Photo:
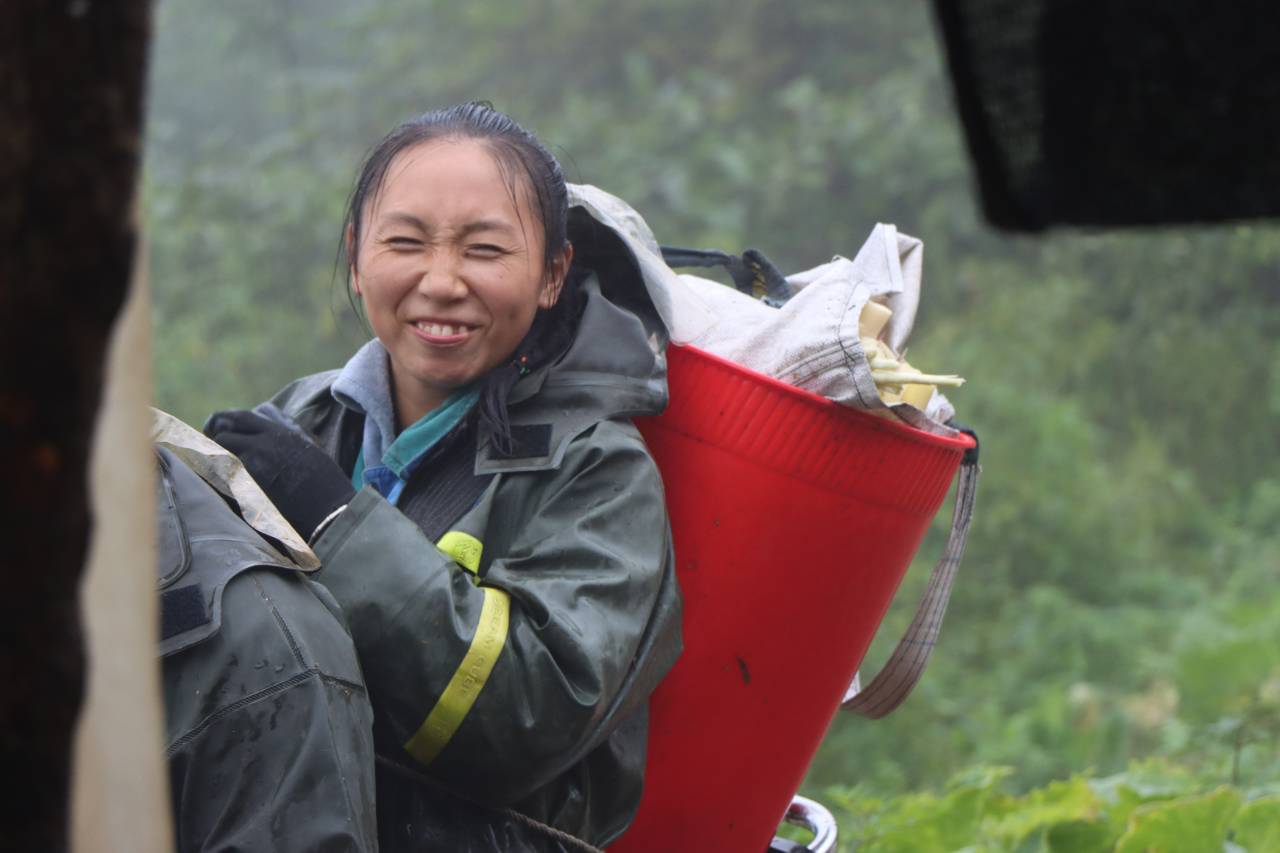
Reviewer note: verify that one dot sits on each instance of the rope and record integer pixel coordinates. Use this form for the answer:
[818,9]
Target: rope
[568,841]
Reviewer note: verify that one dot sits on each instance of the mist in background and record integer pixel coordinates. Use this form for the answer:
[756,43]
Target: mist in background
[1119,599]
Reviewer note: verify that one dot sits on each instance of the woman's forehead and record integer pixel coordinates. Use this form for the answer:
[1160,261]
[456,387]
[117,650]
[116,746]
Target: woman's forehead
[453,179]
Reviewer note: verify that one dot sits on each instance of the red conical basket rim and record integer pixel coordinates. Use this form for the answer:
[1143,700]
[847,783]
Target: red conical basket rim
[834,409]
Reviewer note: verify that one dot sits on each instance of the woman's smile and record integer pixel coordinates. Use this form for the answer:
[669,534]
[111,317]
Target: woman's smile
[439,333]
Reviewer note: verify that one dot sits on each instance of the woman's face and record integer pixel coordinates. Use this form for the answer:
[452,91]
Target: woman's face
[450,270]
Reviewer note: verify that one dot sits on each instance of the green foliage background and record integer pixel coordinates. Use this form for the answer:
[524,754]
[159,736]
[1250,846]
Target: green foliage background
[1119,598]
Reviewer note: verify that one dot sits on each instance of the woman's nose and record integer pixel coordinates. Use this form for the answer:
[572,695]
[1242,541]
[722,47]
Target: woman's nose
[440,279]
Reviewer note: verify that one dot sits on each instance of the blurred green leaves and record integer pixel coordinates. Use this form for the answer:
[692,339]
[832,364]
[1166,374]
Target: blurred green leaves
[1149,808]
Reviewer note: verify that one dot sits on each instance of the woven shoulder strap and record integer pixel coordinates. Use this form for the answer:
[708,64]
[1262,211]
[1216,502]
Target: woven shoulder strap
[905,666]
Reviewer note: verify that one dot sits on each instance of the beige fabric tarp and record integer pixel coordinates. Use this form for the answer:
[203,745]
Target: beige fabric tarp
[223,471]
[812,341]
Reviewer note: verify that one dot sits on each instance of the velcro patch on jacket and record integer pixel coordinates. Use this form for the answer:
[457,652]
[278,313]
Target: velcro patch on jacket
[181,610]
[527,440]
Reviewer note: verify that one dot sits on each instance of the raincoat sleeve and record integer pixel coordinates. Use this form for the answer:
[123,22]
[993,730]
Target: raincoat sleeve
[498,683]
[271,731]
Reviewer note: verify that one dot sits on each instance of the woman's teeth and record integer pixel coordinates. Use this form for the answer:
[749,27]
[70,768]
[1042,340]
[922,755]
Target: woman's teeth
[442,330]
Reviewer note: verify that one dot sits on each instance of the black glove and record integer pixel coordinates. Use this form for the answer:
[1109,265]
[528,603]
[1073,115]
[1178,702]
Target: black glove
[300,478]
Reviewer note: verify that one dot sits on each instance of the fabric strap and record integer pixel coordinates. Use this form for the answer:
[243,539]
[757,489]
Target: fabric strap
[905,666]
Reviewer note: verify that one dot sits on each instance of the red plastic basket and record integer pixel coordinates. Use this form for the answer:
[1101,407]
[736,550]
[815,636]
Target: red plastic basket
[794,521]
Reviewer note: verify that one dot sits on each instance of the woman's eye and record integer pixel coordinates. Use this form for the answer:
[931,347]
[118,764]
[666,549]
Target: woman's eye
[485,250]
[402,242]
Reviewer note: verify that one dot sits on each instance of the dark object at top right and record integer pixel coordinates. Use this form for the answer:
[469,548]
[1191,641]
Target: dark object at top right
[1085,112]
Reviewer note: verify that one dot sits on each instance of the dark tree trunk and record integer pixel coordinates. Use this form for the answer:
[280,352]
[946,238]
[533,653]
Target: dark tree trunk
[71,107]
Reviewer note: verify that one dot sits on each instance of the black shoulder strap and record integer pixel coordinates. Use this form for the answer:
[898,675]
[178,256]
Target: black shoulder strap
[752,273]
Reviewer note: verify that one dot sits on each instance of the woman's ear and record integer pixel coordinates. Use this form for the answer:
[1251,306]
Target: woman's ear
[555,278]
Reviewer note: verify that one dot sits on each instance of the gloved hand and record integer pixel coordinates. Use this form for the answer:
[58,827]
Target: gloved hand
[299,478]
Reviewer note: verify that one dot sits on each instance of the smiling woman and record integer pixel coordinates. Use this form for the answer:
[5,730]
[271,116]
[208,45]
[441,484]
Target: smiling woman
[489,519]
[450,269]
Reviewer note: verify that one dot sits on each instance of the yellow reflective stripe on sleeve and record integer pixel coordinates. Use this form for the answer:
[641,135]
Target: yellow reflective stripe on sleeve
[464,548]
[461,692]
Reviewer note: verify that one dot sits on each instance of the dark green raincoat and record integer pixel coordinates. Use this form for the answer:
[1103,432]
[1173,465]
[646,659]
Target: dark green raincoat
[513,614]
[268,728]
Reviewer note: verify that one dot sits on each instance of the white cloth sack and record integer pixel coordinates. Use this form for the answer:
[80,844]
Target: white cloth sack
[812,341]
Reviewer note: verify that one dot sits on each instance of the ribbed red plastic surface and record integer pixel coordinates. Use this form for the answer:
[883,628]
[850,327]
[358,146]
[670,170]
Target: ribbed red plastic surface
[794,520]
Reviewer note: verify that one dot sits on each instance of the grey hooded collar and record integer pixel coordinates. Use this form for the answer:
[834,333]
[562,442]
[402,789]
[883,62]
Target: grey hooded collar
[616,366]
[364,385]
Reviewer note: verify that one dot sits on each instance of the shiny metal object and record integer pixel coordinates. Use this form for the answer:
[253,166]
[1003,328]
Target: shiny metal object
[813,816]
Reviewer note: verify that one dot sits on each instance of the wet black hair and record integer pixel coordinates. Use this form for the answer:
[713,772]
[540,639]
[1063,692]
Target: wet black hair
[527,166]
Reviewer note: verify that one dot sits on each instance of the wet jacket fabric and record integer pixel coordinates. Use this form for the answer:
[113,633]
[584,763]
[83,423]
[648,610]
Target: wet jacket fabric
[268,726]
[513,612]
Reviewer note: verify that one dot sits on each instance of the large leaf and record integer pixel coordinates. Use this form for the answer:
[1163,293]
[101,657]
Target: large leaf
[1257,826]
[1072,801]
[1185,825]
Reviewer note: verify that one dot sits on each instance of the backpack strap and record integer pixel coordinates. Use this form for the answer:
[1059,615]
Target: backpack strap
[752,273]
[906,664]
